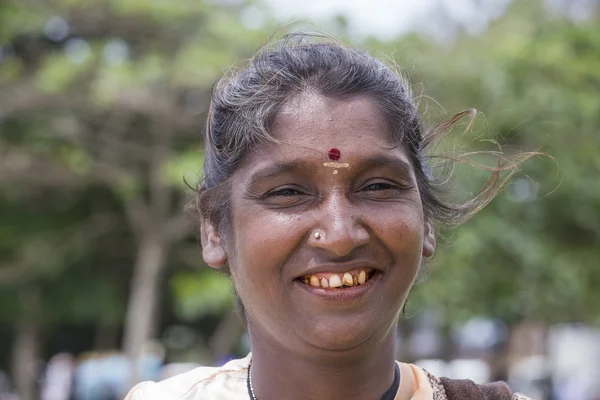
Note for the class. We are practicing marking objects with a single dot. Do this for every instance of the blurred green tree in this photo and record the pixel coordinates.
(110, 94)
(530, 254)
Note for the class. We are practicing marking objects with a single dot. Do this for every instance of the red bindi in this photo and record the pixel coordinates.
(334, 154)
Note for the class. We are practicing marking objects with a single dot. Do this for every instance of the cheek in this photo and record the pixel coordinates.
(262, 242)
(261, 245)
(403, 235)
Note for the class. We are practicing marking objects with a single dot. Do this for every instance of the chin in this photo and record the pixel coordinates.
(346, 335)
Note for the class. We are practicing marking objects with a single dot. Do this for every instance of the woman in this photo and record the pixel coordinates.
(317, 201)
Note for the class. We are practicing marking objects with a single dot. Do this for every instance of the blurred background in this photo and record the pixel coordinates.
(102, 106)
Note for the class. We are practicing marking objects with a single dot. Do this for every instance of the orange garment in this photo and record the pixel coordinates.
(414, 384)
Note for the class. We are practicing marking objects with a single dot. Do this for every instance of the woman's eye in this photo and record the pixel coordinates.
(382, 190)
(379, 186)
(287, 196)
(284, 192)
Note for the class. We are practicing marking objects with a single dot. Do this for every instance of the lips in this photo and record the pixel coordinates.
(341, 280)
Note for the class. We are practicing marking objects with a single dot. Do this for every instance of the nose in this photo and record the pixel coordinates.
(339, 227)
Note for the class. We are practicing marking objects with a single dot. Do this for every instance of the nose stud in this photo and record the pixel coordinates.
(317, 235)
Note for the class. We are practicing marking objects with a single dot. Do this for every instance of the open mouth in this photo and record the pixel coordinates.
(330, 280)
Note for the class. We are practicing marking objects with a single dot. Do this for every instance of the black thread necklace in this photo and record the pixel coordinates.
(390, 394)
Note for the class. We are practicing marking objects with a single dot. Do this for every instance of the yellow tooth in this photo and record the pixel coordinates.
(314, 281)
(362, 277)
(347, 279)
(324, 283)
(354, 280)
(335, 281)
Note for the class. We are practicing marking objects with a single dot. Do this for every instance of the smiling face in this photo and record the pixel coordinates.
(368, 215)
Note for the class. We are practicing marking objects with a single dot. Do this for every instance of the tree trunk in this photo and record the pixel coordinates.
(106, 337)
(143, 298)
(225, 336)
(25, 349)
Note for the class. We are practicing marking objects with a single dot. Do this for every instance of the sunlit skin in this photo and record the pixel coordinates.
(306, 346)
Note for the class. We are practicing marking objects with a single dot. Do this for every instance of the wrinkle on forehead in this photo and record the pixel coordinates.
(311, 123)
(314, 108)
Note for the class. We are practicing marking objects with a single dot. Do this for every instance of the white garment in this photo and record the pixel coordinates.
(204, 383)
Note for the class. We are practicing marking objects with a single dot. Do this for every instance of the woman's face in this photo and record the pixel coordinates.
(368, 214)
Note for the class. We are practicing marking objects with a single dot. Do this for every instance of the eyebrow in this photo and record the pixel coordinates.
(381, 160)
(275, 170)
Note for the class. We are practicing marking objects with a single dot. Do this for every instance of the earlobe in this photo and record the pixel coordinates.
(428, 240)
(213, 250)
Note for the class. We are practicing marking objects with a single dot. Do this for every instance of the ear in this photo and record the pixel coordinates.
(428, 240)
(213, 250)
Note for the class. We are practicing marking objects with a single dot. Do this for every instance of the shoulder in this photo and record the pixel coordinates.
(228, 381)
(451, 389)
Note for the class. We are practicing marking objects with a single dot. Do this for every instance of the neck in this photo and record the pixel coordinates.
(365, 372)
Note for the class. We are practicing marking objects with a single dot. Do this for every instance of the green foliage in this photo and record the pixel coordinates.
(201, 293)
(57, 72)
(530, 254)
(82, 119)
(185, 170)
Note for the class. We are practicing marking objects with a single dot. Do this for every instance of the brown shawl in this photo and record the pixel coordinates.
(464, 389)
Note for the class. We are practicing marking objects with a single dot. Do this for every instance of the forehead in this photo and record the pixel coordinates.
(313, 121)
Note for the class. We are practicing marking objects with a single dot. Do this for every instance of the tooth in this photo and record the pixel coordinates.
(347, 279)
(314, 281)
(305, 280)
(335, 281)
(324, 283)
(354, 280)
(362, 277)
